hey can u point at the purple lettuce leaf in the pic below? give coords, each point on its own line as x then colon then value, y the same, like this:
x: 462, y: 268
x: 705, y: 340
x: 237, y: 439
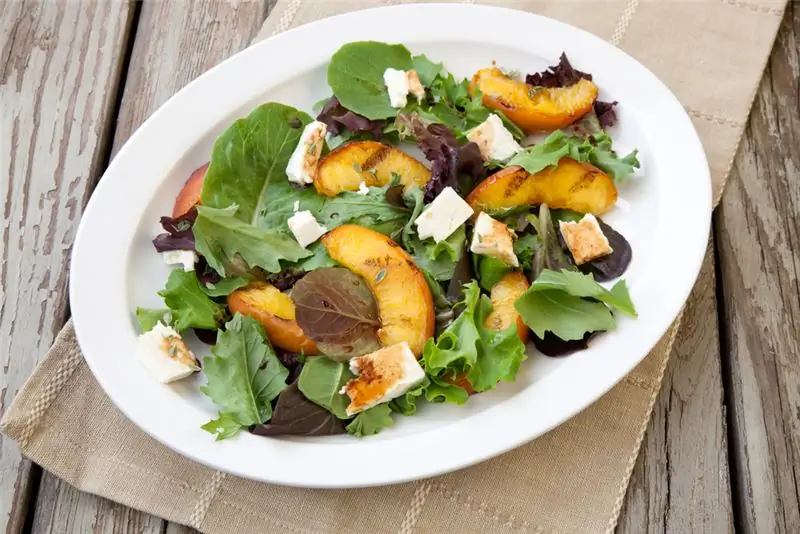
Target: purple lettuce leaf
x: 285, y: 279
x: 565, y: 75
x: 448, y: 158
x: 336, y: 117
x: 178, y: 235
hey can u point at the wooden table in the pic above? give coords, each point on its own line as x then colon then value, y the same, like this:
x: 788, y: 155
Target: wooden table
x: 723, y: 448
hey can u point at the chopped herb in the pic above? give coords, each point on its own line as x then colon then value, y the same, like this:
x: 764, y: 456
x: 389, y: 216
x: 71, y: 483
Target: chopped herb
x: 380, y: 276
x: 357, y: 167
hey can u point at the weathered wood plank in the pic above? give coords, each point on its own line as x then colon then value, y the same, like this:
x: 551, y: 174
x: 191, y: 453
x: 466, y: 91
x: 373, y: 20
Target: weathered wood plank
x: 175, y: 42
x: 55, y: 134
x: 680, y: 483
x: 758, y: 234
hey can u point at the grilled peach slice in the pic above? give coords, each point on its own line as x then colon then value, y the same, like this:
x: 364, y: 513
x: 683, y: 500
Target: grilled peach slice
x: 189, y: 195
x: 504, y: 294
x: 275, y: 311
x: 370, y: 162
x: 404, y: 299
x: 534, y: 109
x: 576, y: 186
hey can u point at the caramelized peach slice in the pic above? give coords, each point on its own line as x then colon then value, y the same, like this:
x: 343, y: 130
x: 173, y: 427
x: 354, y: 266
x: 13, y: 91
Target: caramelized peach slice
x: 534, y: 109
x: 370, y: 162
x: 576, y: 186
x: 504, y: 294
x: 275, y: 311
x: 404, y: 299
x: 189, y: 195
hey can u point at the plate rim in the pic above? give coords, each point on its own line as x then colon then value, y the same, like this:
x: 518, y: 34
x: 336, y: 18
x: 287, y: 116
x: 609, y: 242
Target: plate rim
x: 94, y: 342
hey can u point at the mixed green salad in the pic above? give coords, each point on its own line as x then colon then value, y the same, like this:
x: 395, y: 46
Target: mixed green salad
x: 340, y: 280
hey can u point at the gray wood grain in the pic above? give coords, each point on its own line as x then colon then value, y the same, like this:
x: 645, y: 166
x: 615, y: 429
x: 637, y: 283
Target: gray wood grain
x: 175, y: 42
x: 758, y: 232
x: 681, y: 483
x: 55, y: 114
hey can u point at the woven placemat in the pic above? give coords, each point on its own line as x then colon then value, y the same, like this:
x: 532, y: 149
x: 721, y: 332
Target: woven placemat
x: 571, y: 480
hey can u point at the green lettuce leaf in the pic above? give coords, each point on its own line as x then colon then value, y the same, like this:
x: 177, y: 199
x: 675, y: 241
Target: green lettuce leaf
x: 321, y: 380
x: 371, y: 210
x: 570, y: 304
x: 596, y: 150
x: 243, y: 376
x: 467, y: 346
x: 355, y: 75
x: 441, y: 391
x: 490, y: 270
x: 224, y: 287
x: 149, y: 317
x: 525, y: 248
x: 223, y: 427
x: 426, y: 69
x: 406, y: 404
x: 221, y: 235
x: 189, y: 305
x: 371, y: 421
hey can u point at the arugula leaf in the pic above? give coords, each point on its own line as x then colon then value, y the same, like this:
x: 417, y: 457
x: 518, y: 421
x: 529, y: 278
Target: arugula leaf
x: 583, y: 285
x: 190, y: 306
x: 321, y: 380
x: 244, y: 376
x: 595, y: 149
x: 426, y: 69
x: 224, y: 287
x: 564, y: 315
x: 149, y: 317
x: 371, y: 210
x: 371, y: 421
x: 355, y: 75
x: 406, y: 404
x: 221, y: 235
x: 467, y: 346
x: 223, y: 427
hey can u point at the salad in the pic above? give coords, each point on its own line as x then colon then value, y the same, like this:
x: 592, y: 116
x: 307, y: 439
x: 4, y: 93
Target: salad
x: 342, y: 282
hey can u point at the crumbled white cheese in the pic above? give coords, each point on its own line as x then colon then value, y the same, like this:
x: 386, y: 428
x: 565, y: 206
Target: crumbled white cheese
x: 187, y: 258
x: 585, y: 239
x: 305, y: 228
x: 397, y: 85
x: 382, y: 376
x: 363, y: 189
x: 163, y: 352
x: 302, y: 166
x: 494, y: 141
x: 443, y: 216
x: 493, y: 238
x: 296, y: 206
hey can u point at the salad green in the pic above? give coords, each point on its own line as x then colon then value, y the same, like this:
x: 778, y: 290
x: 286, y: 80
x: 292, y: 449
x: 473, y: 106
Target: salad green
x: 301, y: 331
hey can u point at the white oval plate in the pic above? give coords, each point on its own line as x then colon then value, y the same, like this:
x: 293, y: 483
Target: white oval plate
x: 115, y: 269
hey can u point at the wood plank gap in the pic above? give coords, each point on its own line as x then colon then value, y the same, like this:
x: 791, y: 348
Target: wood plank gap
x: 733, y: 431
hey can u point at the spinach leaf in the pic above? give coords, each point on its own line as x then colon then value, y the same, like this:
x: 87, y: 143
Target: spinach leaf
x: 190, y: 306
x: 220, y: 236
x: 297, y: 416
x: 244, y: 376
x: 468, y: 347
x: 426, y: 69
x: 355, y: 75
x: 148, y: 317
x: 321, y: 380
x: 371, y: 421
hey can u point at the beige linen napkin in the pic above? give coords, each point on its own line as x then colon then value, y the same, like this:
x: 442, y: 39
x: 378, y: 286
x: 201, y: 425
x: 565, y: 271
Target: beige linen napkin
x: 570, y: 480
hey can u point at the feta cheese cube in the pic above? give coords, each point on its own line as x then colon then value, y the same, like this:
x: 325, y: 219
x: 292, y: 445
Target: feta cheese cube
x: 397, y: 84
x: 443, y: 216
x: 187, y: 258
x: 382, y: 376
x: 305, y: 228
x: 302, y: 166
x: 363, y: 189
x: 494, y: 141
x: 163, y: 352
x: 493, y: 238
x: 585, y: 239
